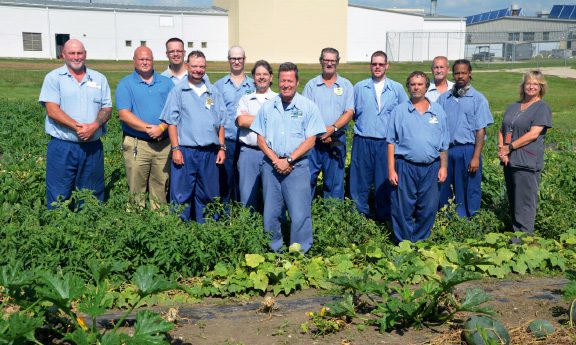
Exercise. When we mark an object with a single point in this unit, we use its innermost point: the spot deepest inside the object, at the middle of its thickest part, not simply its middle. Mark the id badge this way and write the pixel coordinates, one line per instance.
(508, 138)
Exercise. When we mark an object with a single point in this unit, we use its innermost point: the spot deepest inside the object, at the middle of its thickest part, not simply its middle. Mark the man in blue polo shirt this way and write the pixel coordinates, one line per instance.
(232, 87)
(195, 114)
(287, 127)
(140, 98)
(374, 99)
(78, 105)
(417, 138)
(334, 96)
(468, 116)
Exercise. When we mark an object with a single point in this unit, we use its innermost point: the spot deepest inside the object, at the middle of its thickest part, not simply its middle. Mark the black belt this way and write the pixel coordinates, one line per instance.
(148, 140)
(416, 163)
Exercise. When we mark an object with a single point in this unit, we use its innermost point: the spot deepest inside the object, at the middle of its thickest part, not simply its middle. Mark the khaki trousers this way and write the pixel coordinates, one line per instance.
(147, 169)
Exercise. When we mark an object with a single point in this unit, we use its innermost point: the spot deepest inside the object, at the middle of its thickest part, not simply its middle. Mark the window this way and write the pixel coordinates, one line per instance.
(190, 44)
(32, 41)
(128, 43)
(142, 43)
(545, 36)
(513, 36)
(528, 36)
(204, 44)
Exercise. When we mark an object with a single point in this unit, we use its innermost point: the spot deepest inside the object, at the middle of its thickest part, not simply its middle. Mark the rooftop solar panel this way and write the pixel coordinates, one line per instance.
(555, 11)
(566, 12)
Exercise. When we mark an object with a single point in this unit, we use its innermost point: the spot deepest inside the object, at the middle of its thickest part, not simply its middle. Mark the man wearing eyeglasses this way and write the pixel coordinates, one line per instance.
(140, 98)
(334, 95)
(177, 70)
(374, 100)
(232, 87)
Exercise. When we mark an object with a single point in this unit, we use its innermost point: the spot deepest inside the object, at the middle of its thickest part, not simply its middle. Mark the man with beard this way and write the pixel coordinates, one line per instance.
(468, 116)
(78, 105)
(417, 138)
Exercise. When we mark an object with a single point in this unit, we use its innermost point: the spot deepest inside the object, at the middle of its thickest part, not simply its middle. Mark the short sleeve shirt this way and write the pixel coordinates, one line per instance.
(466, 115)
(251, 104)
(370, 120)
(417, 137)
(519, 122)
(197, 118)
(432, 94)
(332, 101)
(231, 95)
(80, 100)
(145, 100)
(286, 129)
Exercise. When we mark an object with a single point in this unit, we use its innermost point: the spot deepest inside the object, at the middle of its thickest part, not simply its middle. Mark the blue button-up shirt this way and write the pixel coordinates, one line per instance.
(417, 137)
(198, 119)
(466, 115)
(251, 104)
(369, 121)
(231, 94)
(332, 101)
(81, 101)
(432, 93)
(285, 130)
(144, 100)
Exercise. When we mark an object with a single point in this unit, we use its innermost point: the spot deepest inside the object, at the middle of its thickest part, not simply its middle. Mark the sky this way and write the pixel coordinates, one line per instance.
(457, 8)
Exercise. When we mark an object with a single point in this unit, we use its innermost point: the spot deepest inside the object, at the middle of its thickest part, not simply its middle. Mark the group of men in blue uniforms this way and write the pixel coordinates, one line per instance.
(233, 137)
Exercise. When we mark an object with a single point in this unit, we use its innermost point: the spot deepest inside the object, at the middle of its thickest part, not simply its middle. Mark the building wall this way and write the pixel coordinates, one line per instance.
(519, 24)
(105, 32)
(281, 30)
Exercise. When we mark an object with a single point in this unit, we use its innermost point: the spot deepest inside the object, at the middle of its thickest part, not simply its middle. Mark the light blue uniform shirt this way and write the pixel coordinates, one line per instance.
(81, 101)
(231, 95)
(332, 101)
(369, 121)
(198, 119)
(432, 94)
(251, 104)
(466, 115)
(168, 74)
(285, 130)
(144, 100)
(417, 137)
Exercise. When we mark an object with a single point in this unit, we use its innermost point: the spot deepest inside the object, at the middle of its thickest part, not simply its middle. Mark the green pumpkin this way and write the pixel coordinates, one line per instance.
(540, 329)
(484, 330)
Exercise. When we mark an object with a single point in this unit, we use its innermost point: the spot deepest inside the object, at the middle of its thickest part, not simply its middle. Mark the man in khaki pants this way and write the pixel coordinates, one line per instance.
(140, 98)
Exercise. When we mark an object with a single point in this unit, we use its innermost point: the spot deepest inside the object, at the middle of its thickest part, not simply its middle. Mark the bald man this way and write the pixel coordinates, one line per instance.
(140, 98)
(78, 104)
(232, 87)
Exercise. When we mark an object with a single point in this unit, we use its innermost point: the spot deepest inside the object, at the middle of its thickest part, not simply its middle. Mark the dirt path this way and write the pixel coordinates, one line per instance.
(517, 302)
(562, 72)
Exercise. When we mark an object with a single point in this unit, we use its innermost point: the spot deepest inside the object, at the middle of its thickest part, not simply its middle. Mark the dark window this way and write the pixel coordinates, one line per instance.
(32, 41)
(204, 44)
(513, 36)
(142, 43)
(545, 36)
(528, 36)
(190, 44)
(128, 43)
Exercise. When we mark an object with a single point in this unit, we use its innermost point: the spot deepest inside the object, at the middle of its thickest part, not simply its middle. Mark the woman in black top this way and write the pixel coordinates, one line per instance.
(521, 149)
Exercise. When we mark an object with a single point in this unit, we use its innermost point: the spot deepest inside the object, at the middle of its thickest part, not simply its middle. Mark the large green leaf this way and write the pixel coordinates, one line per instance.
(60, 290)
(22, 326)
(149, 282)
(149, 329)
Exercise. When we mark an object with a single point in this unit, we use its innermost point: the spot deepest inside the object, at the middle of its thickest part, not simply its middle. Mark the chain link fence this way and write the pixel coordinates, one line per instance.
(482, 46)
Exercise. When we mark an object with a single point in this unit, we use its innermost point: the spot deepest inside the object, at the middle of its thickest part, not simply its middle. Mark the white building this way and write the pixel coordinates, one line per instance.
(38, 29)
(404, 35)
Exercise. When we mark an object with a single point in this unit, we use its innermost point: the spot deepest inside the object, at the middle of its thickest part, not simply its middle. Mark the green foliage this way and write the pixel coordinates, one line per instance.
(59, 303)
(485, 330)
(540, 329)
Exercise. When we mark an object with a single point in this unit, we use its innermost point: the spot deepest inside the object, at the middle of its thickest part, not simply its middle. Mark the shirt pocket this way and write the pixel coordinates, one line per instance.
(297, 127)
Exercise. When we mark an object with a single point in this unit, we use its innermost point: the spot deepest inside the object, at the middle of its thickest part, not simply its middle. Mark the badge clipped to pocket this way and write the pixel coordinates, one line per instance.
(433, 119)
(338, 91)
(296, 113)
(209, 103)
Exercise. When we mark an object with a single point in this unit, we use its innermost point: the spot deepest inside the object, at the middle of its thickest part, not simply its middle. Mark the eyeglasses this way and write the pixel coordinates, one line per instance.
(235, 59)
(378, 64)
(329, 61)
(175, 52)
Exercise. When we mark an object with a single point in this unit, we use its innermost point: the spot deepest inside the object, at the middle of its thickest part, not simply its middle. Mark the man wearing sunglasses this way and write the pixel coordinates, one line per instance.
(374, 99)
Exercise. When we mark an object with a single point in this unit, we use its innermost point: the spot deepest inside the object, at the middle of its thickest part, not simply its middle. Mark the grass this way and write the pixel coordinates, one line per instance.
(22, 79)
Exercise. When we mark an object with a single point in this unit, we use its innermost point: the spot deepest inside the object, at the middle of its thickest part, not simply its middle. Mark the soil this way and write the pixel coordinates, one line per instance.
(225, 322)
